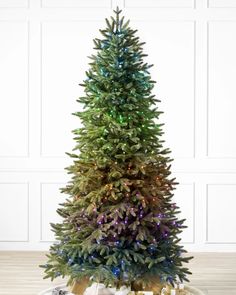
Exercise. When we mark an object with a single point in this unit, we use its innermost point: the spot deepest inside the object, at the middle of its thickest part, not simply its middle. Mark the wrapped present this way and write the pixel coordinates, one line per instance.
(144, 293)
(124, 290)
(58, 291)
(154, 287)
(82, 288)
(99, 289)
(178, 289)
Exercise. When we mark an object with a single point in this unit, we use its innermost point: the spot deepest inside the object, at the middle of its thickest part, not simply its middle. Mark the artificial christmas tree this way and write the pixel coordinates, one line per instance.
(120, 225)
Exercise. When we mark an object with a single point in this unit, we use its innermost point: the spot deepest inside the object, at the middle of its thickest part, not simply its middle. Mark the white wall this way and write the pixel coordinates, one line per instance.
(44, 45)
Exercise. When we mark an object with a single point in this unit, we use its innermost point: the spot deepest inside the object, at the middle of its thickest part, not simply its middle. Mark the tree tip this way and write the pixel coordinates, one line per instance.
(117, 10)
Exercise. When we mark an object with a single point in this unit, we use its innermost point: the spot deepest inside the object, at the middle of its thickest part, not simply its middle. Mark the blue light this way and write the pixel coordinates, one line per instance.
(70, 261)
(116, 271)
(57, 274)
(104, 44)
(60, 252)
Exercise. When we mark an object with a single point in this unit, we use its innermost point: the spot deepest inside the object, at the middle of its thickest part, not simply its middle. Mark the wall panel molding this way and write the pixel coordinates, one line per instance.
(187, 206)
(52, 204)
(14, 215)
(184, 29)
(76, 3)
(215, 78)
(221, 4)
(220, 213)
(14, 55)
(44, 49)
(160, 3)
(14, 4)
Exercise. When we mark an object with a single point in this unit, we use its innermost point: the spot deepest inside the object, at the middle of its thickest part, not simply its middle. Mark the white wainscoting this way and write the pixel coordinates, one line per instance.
(14, 90)
(14, 3)
(222, 3)
(43, 53)
(77, 4)
(185, 200)
(221, 89)
(14, 212)
(47, 209)
(160, 3)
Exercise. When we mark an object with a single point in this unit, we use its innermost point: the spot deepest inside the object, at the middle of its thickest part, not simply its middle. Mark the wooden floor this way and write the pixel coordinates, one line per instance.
(214, 273)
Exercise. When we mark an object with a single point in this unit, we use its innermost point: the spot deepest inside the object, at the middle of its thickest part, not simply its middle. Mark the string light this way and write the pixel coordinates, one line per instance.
(116, 114)
(116, 271)
(70, 261)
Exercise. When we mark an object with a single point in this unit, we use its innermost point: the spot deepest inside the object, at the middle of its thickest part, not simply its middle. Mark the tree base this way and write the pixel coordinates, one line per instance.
(63, 290)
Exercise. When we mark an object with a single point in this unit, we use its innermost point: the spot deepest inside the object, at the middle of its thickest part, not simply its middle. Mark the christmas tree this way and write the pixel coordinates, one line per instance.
(120, 224)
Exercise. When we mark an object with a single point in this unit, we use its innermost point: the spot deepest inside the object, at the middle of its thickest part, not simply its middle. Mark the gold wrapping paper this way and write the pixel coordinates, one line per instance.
(156, 288)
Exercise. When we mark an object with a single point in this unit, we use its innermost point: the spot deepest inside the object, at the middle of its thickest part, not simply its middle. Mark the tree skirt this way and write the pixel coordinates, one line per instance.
(63, 290)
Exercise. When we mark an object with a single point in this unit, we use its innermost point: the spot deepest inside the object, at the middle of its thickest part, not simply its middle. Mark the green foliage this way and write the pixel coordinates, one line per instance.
(119, 222)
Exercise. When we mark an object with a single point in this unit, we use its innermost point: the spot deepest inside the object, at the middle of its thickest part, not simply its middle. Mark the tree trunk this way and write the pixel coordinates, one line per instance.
(78, 287)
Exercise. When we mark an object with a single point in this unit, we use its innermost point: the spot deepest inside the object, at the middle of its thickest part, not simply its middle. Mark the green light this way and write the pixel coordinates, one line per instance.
(121, 118)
